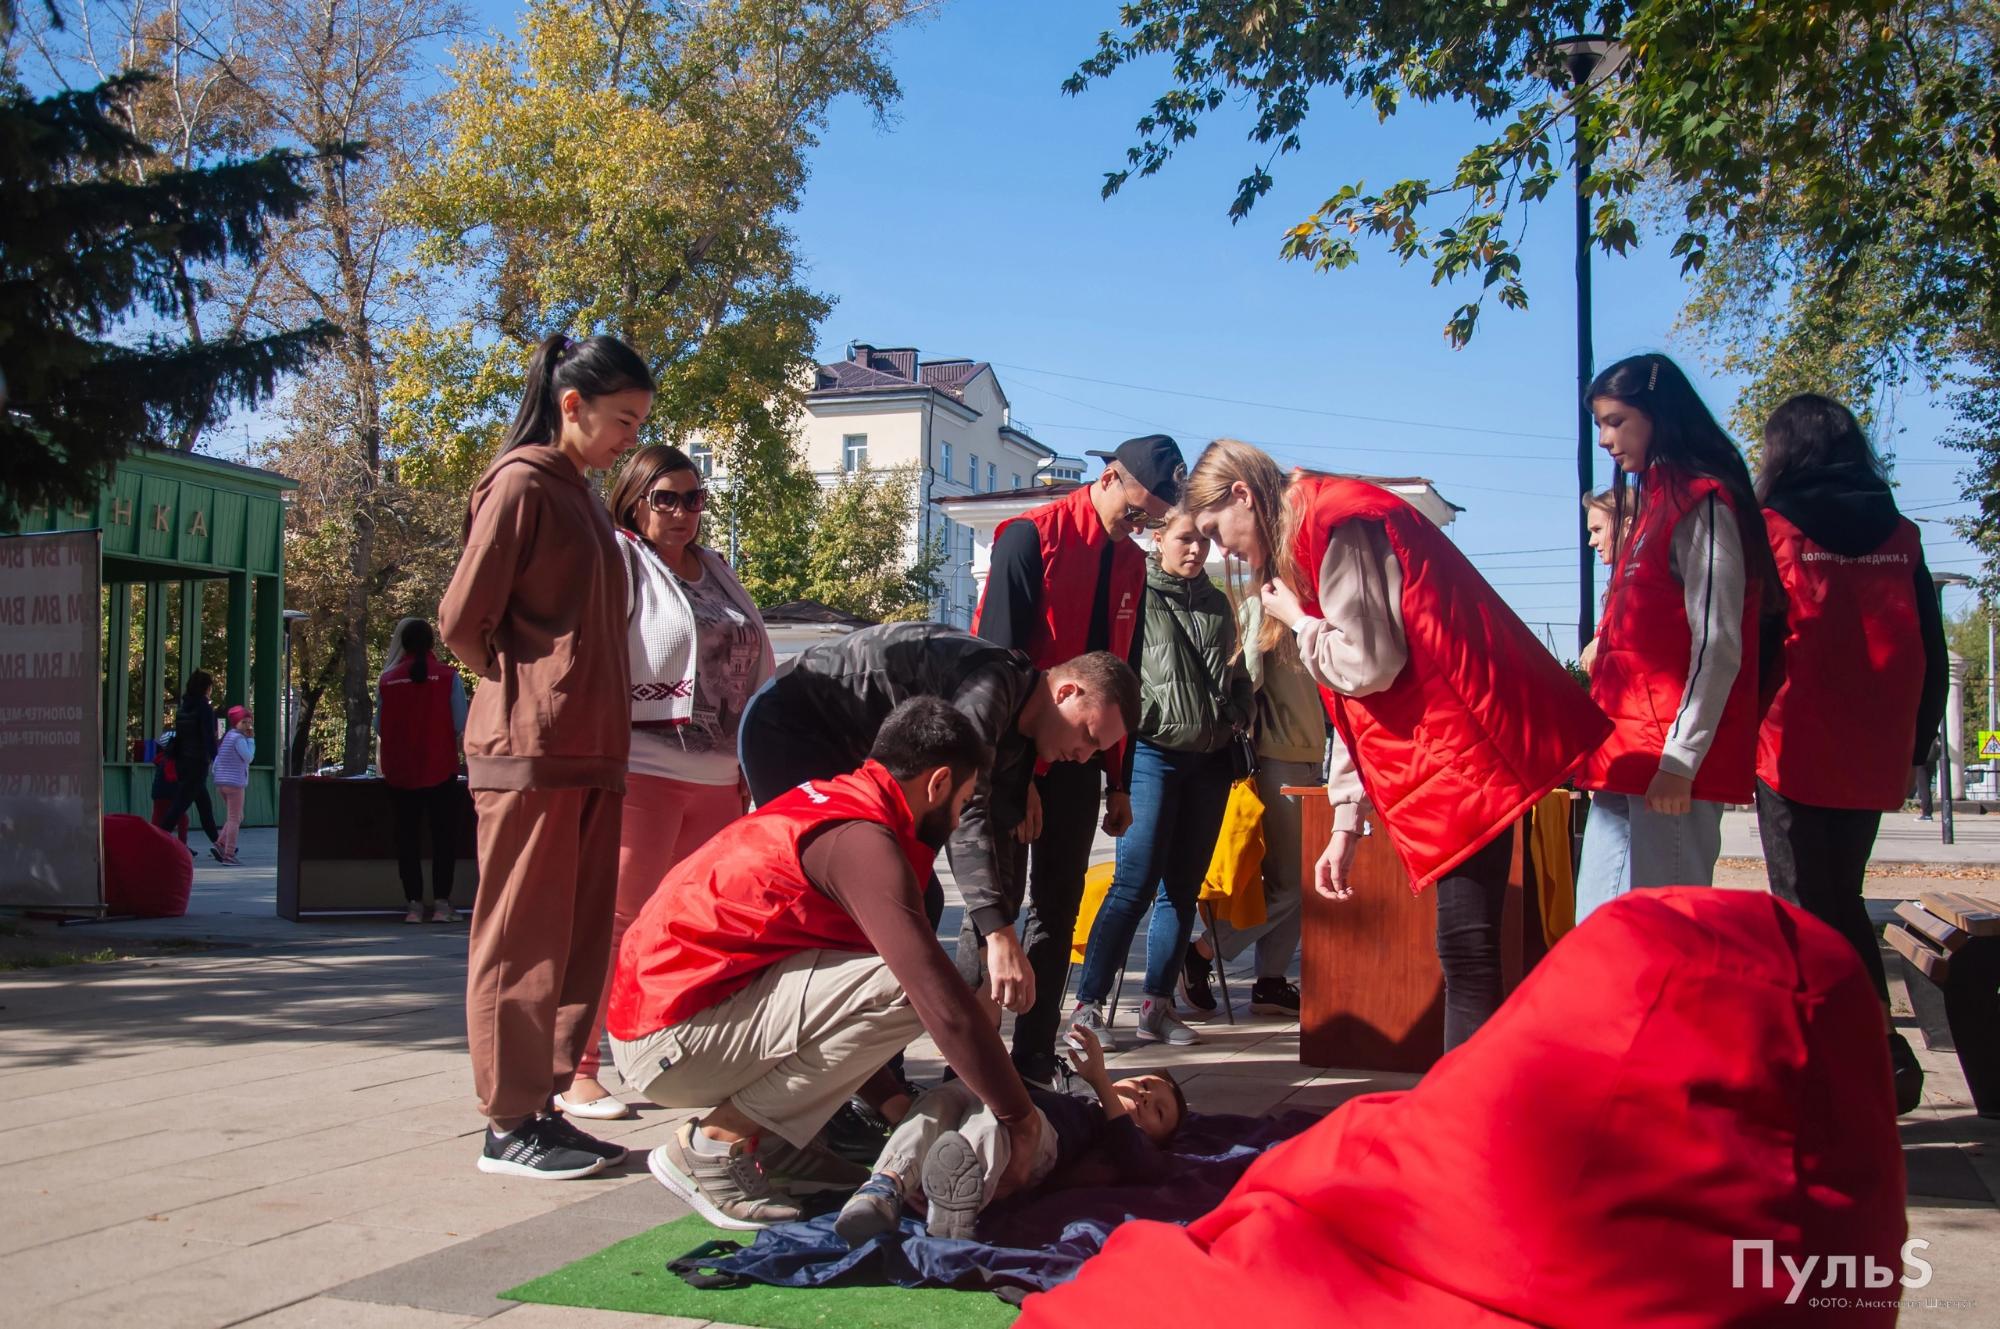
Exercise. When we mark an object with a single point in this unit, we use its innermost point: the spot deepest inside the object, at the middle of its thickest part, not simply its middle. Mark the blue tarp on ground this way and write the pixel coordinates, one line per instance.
(1030, 1242)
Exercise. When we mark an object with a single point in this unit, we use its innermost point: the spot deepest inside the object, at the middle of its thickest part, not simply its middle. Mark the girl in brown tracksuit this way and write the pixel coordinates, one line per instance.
(537, 609)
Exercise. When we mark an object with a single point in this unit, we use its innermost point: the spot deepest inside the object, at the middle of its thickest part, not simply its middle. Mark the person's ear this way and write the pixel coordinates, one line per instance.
(1064, 691)
(937, 786)
(570, 404)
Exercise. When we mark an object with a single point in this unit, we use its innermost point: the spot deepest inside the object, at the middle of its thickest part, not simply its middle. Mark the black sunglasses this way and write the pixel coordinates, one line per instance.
(672, 500)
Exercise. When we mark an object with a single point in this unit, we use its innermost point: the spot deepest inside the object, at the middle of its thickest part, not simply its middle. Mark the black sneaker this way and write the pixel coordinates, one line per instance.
(1274, 996)
(1909, 1073)
(1038, 1070)
(533, 1150)
(570, 1134)
(857, 1132)
(1196, 970)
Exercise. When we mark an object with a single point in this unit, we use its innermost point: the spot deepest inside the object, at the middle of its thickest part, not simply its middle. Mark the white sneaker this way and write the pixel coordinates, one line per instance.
(1091, 1016)
(1159, 1024)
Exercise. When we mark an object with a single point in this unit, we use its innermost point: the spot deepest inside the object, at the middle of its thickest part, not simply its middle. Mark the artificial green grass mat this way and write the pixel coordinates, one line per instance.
(632, 1276)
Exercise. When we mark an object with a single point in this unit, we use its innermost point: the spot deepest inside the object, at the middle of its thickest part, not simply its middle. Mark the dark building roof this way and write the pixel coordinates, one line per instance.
(894, 369)
(812, 612)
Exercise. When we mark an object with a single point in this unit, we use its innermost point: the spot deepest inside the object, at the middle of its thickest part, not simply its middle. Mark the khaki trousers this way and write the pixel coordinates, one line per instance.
(788, 1050)
(541, 940)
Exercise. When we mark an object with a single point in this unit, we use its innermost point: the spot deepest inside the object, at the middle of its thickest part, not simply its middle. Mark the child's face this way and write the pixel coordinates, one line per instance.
(1149, 1101)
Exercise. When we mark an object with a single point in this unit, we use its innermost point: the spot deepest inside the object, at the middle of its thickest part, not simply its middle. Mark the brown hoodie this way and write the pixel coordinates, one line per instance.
(536, 608)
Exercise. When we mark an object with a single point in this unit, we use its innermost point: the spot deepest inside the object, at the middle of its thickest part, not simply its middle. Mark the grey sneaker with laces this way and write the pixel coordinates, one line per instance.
(729, 1190)
(1091, 1016)
(1159, 1024)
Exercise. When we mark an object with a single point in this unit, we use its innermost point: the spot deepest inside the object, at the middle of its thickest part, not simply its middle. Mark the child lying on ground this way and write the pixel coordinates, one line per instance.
(955, 1149)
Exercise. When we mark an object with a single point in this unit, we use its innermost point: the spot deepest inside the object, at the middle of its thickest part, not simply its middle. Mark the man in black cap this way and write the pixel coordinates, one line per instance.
(1066, 579)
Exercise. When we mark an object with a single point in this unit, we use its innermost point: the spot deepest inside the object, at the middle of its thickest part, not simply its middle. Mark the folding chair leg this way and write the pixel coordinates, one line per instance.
(1207, 912)
(1117, 993)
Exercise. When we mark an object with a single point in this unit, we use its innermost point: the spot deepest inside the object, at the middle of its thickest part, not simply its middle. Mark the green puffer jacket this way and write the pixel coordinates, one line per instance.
(1191, 695)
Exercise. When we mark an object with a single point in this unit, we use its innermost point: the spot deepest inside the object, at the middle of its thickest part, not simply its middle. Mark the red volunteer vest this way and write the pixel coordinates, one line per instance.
(1843, 727)
(1481, 722)
(742, 902)
(1643, 654)
(1072, 540)
(419, 747)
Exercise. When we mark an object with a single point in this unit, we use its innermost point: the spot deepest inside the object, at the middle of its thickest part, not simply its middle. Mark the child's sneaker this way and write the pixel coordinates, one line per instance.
(1196, 970)
(1091, 1016)
(954, 1188)
(1274, 996)
(1159, 1024)
(872, 1211)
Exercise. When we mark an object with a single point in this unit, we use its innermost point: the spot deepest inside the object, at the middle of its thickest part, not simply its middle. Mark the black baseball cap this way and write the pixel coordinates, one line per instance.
(1155, 461)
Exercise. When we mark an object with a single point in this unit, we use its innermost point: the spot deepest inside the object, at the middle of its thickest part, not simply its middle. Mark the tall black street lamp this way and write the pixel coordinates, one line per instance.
(1585, 58)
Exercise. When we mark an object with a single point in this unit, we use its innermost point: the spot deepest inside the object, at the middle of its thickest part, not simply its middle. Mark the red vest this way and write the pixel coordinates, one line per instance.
(1643, 654)
(419, 746)
(742, 902)
(1843, 727)
(1072, 540)
(1481, 722)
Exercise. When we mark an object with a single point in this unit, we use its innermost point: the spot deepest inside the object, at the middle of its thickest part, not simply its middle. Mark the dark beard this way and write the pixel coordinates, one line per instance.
(935, 829)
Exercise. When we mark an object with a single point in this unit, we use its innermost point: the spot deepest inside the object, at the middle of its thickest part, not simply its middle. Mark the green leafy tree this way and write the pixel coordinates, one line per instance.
(92, 257)
(859, 561)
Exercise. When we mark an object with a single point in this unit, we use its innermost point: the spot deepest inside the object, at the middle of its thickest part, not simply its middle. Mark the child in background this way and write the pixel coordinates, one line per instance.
(166, 779)
(232, 776)
(954, 1148)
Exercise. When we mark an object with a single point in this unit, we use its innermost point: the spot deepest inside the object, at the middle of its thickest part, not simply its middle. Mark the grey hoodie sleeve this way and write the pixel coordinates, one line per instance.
(1708, 559)
(1357, 647)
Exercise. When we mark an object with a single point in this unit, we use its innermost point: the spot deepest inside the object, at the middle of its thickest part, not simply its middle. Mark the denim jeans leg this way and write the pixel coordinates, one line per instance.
(1133, 877)
(1191, 838)
(1675, 850)
(1605, 871)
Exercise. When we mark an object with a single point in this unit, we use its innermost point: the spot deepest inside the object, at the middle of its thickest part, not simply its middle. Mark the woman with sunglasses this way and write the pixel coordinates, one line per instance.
(698, 651)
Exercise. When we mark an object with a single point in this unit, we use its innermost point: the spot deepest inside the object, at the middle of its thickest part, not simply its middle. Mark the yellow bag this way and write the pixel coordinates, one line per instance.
(1555, 881)
(1234, 886)
(1096, 885)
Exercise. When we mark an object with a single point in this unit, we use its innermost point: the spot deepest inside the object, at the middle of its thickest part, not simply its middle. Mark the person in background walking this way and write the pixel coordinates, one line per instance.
(1194, 698)
(164, 781)
(536, 608)
(232, 777)
(420, 717)
(194, 752)
(1865, 681)
(1602, 529)
(1453, 718)
(1679, 652)
(698, 650)
(1065, 580)
(1291, 751)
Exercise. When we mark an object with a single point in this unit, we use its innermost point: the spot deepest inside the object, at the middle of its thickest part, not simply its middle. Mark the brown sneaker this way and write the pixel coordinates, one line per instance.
(813, 1168)
(729, 1190)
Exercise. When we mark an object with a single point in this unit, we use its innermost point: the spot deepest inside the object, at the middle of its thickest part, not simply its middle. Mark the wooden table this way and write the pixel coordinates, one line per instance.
(337, 848)
(1371, 992)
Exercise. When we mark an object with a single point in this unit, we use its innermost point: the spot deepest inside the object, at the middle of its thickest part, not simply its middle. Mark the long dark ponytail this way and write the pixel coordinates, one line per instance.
(595, 367)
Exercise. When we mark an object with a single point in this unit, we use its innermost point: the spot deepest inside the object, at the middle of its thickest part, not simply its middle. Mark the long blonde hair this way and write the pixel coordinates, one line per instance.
(1228, 462)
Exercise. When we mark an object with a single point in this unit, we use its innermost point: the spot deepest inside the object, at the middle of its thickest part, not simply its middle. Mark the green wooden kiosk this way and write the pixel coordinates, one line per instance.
(193, 568)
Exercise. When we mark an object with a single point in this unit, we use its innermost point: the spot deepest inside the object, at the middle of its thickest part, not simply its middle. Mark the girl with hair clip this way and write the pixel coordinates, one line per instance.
(1453, 719)
(1865, 678)
(536, 609)
(1678, 650)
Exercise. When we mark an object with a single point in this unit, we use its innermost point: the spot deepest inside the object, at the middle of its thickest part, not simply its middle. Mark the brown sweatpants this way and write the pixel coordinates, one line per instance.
(541, 940)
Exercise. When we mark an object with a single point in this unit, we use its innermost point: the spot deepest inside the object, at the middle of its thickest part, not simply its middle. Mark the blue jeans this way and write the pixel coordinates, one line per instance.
(1628, 847)
(1178, 799)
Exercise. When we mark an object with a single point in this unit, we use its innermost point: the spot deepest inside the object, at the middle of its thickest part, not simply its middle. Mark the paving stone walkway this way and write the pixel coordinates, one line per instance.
(281, 1132)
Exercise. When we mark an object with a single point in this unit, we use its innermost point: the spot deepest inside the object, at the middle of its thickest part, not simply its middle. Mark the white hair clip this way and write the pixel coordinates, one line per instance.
(1653, 379)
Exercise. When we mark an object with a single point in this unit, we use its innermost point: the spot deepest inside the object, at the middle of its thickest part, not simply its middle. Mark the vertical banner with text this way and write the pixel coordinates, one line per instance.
(51, 692)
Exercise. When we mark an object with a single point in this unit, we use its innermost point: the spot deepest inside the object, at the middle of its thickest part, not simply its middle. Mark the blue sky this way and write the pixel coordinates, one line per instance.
(971, 226)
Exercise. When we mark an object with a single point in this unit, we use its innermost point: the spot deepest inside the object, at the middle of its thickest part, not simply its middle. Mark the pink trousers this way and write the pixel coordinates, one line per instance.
(665, 821)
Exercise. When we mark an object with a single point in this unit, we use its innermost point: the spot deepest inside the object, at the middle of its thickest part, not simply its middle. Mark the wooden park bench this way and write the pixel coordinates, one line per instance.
(1951, 943)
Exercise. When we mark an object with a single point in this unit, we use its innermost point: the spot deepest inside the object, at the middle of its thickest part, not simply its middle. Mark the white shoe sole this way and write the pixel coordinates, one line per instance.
(684, 1187)
(1148, 1036)
(501, 1167)
(954, 1182)
(607, 1108)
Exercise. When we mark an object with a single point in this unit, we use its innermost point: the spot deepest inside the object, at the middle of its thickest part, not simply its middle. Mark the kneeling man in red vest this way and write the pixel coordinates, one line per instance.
(780, 966)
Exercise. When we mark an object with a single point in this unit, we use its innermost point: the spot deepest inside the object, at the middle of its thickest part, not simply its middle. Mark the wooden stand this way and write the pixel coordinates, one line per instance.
(1371, 992)
(337, 849)
(1952, 941)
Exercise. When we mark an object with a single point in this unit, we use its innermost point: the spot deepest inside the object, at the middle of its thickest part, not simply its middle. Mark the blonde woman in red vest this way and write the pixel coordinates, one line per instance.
(1678, 650)
(419, 716)
(1066, 579)
(1453, 718)
(1865, 681)
(536, 608)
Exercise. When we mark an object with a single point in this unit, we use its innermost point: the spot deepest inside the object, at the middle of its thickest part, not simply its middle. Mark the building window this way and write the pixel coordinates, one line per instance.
(853, 452)
(703, 457)
(1017, 480)
(944, 460)
(992, 477)
(972, 473)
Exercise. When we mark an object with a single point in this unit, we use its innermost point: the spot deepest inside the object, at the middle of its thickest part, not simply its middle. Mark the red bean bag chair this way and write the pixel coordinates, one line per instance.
(1689, 1069)
(147, 872)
